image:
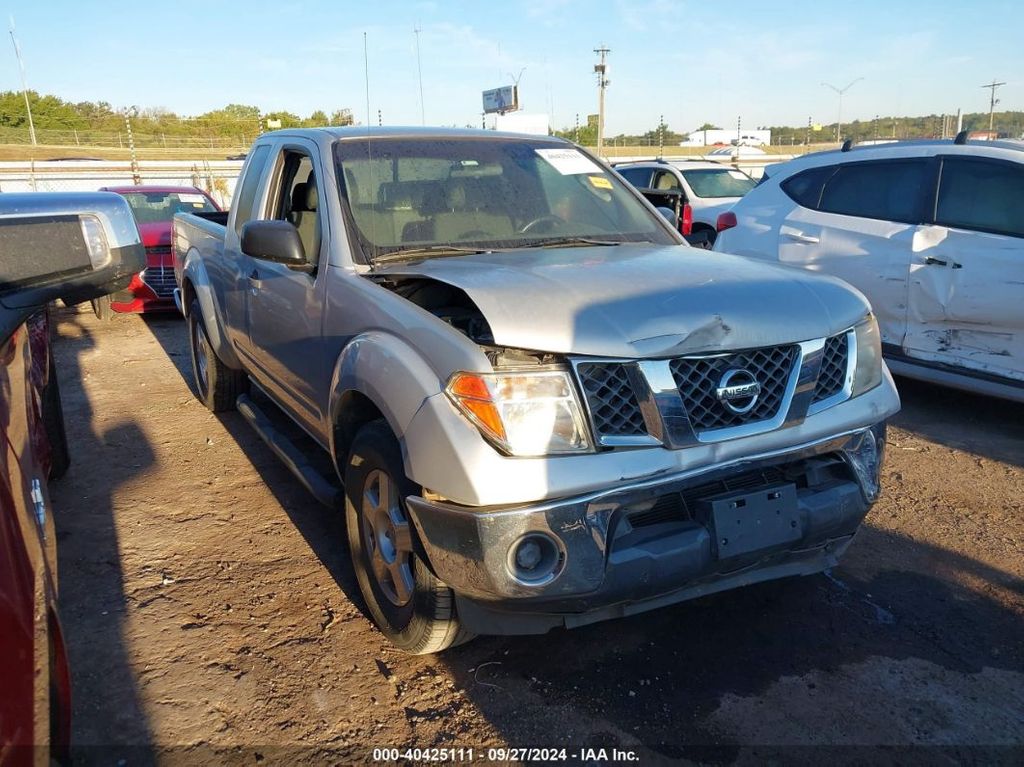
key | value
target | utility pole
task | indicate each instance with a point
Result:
(661, 136)
(992, 101)
(419, 69)
(576, 137)
(601, 70)
(24, 85)
(839, 116)
(136, 175)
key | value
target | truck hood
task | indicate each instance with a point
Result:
(639, 301)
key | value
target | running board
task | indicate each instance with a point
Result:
(325, 491)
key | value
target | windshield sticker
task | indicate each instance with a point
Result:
(195, 199)
(738, 174)
(568, 162)
(599, 182)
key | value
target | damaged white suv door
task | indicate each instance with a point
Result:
(931, 232)
(966, 287)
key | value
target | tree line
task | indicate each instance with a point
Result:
(51, 113)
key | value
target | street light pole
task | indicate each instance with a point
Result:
(24, 85)
(839, 116)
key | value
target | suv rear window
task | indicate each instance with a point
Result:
(805, 188)
(718, 182)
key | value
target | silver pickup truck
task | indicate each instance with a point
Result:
(536, 404)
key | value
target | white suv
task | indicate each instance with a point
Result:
(709, 188)
(931, 232)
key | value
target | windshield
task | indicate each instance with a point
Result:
(154, 207)
(469, 194)
(719, 182)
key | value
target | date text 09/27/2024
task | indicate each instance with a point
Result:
(503, 754)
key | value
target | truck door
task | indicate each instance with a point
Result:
(229, 272)
(966, 297)
(285, 306)
(859, 226)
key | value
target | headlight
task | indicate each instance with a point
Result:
(525, 414)
(868, 372)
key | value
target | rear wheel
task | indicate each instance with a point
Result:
(409, 604)
(217, 385)
(101, 308)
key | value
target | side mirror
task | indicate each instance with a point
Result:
(276, 241)
(75, 246)
(669, 214)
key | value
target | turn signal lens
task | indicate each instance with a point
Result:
(525, 414)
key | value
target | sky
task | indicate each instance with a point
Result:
(691, 62)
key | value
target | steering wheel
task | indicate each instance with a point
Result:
(550, 218)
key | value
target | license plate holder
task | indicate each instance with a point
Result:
(747, 521)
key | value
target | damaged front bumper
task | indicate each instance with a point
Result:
(641, 545)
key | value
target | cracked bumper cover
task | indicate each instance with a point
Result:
(609, 569)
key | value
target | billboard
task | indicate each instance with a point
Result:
(501, 100)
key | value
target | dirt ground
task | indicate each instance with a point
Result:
(211, 613)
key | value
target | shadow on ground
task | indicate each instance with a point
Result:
(108, 716)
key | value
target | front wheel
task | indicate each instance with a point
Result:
(217, 385)
(409, 604)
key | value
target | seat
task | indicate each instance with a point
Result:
(304, 217)
(468, 216)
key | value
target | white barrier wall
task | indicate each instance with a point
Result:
(216, 177)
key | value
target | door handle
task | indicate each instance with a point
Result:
(801, 237)
(931, 261)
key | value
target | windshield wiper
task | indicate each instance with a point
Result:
(434, 251)
(568, 242)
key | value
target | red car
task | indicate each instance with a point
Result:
(73, 247)
(153, 207)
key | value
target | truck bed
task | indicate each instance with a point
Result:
(203, 232)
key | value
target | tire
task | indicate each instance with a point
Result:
(217, 385)
(53, 422)
(101, 308)
(409, 604)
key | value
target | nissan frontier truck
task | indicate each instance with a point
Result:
(534, 403)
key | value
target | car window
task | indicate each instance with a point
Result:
(718, 182)
(638, 177)
(297, 200)
(157, 207)
(411, 194)
(889, 190)
(979, 194)
(251, 182)
(804, 188)
(665, 180)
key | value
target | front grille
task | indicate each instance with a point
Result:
(834, 363)
(160, 279)
(613, 405)
(699, 378)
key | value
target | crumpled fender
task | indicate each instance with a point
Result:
(195, 272)
(389, 372)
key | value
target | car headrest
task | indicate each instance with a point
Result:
(312, 196)
(299, 197)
